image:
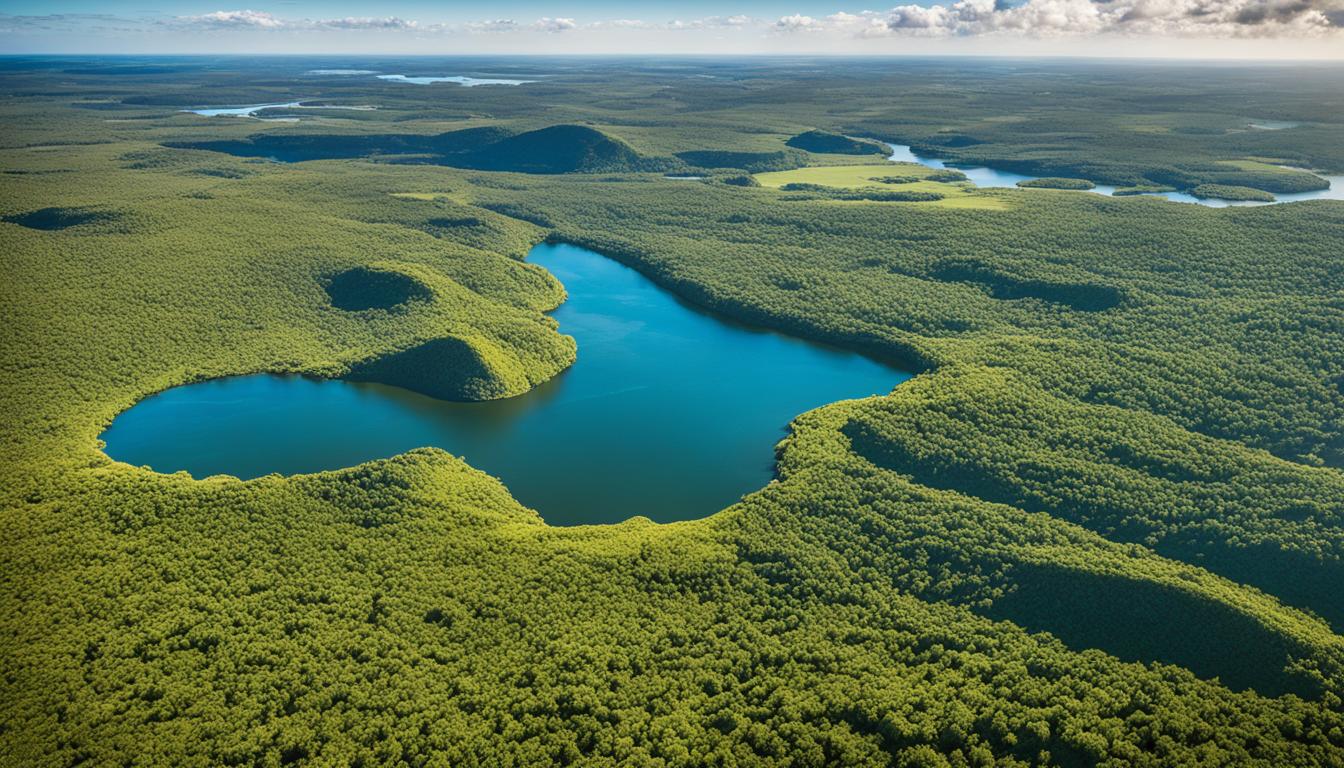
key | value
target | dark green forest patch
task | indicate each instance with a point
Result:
(946, 175)
(56, 219)
(1080, 296)
(1231, 192)
(826, 142)
(448, 368)
(438, 224)
(1056, 182)
(556, 149)
(1136, 620)
(361, 288)
(823, 192)
(751, 162)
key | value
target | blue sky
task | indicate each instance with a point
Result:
(1167, 28)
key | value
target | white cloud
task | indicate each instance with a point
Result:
(492, 25)
(547, 24)
(950, 19)
(709, 22)
(261, 20)
(1055, 18)
(389, 22)
(799, 23)
(240, 19)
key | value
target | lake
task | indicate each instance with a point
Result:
(245, 111)
(669, 412)
(990, 177)
(252, 110)
(469, 82)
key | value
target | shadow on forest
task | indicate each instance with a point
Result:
(1079, 296)
(1148, 622)
(53, 219)
(362, 288)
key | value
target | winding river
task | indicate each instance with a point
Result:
(990, 177)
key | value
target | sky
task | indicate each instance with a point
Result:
(1228, 29)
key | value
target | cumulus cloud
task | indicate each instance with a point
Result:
(364, 22)
(1051, 18)
(492, 25)
(261, 20)
(1230, 19)
(799, 23)
(711, 22)
(242, 19)
(547, 24)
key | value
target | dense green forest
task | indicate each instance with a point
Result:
(1103, 525)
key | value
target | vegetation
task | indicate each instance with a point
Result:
(834, 143)
(362, 288)
(875, 195)
(950, 175)
(870, 182)
(1056, 183)
(1144, 189)
(752, 162)
(555, 149)
(1228, 192)
(1102, 526)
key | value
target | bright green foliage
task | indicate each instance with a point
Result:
(1102, 527)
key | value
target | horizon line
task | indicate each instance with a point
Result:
(689, 55)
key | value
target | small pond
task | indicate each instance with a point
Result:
(669, 412)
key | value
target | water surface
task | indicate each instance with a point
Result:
(252, 110)
(469, 82)
(669, 412)
(244, 111)
(990, 177)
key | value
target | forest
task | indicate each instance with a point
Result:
(1103, 525)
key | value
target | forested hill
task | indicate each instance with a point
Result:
(1102, 526)
(556, 149)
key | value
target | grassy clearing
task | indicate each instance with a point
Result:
(955, 195)
(1259, 165)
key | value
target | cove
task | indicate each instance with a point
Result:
(669, 412)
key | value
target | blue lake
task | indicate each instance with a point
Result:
(669, 412)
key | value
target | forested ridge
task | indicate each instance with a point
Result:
(1102, 526)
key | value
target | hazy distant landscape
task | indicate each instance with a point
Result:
(671, 411)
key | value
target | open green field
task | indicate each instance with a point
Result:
(953, 195)
(1103, 525)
